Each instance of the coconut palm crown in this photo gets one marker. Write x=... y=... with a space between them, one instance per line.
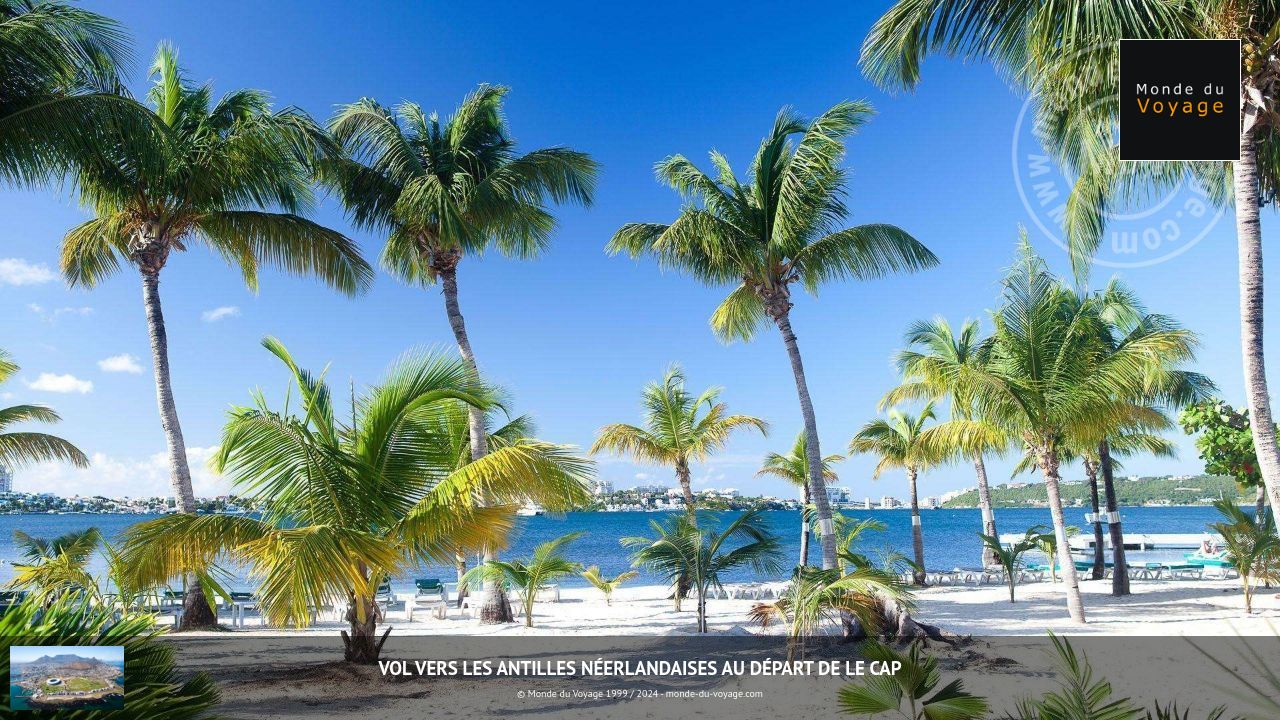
x=780 y=227
x=346 y=505
x=22 y=446
x=679 y=428
x=794 y=468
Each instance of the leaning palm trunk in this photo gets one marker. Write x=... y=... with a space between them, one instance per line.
x=1249 y=238
x=1119 y=566
x=988 y=512
x=685 y=478
x=1048 y=460
x=1099 y=555
x=817 y=486
x=1260 y=504
x=804 y=526
x=917 y=532
x=196 y=612
x=497 y=606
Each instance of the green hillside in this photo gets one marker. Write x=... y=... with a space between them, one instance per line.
x=1198 y=490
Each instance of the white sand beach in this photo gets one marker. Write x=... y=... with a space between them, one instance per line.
x=1155 y=607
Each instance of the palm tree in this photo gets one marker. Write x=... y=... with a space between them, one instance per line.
x=19 y=448
x=154 y=686
x=1053 y=383
x=679 y=428
x=346 y=505
x=547 y=565
x=933 y=356
x=1252 y=546
x=896 y=442
x=202 y=173
x=58 y=566
x=607 y=585
x=445 y=190
x=1010 y=558
x=794 y=468
x=58 y=85
x=778 y=228
x=815 y=598
x=1065 y=54
x=912 y=692
x=704 y=552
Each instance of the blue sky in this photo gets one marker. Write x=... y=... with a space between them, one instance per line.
x=19 y=654
x=575 y=334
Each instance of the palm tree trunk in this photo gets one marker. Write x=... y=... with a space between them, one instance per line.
x=988 y=512
x=917 y=533
x=817 y=486
x=1260 y=505
x=683 y=477
x=1249 y=239
x=361 y=643
x=1119 y=566
x=1049 y=469
x=804 y=527
x=195 y=607
x=1099 y=556
x=497 y=606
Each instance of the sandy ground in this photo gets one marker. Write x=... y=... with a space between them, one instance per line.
x=269 y=673
x=1190 y=607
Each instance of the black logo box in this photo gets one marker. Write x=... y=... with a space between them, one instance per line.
x=1193 y=66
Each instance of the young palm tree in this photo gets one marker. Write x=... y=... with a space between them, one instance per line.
x=780 y=227
x=933 y=356
x=154 y=687
x=210 y=173
x=607 y=585
x=679 y=428
x=1010 y=558
x=913 y=692
x=346 y=505
x=22 y=447
x=817 y=598
x=58 y=85
x=547 y=565
x=705 y=552
x=896 y=442
x=1065 y=53
x=58 y=566
x=1252 y=546
x=1052 y=383
x=445 y=190
x=794 y=468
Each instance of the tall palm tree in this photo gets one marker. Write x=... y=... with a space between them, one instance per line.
x=896 y=441
x=58 y=85
x=929 y=364
x=348 y=504
x=444 y=190
x=779 y=227
x=1052 y=383
x=231 y=175
x=19 y=448
x=1065 y=53
x=794 y=468
x=679 y=428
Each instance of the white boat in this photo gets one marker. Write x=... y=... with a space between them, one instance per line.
x=530 y=510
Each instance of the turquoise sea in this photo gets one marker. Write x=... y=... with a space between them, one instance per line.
x=949 y=535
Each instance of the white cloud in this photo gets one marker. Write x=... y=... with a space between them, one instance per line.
x=220 y=313
x=642 y=476
x=50 y=382
x=124 y=363
x=51 y=315
x=15 y=271
x=6 y=396
x=122 y=477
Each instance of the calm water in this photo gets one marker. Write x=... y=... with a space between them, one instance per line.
x=949 y=535
x=18 y=696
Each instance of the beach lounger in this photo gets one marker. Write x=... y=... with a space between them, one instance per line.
x=430 y=588
x=1184 y=571
x=545 y=593
x=9 y=598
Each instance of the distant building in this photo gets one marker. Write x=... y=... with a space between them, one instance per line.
x=888 y=502
x=838 y=495
x=866 y=504
x=603 y=487
x=932 y=503
x=6 y=479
